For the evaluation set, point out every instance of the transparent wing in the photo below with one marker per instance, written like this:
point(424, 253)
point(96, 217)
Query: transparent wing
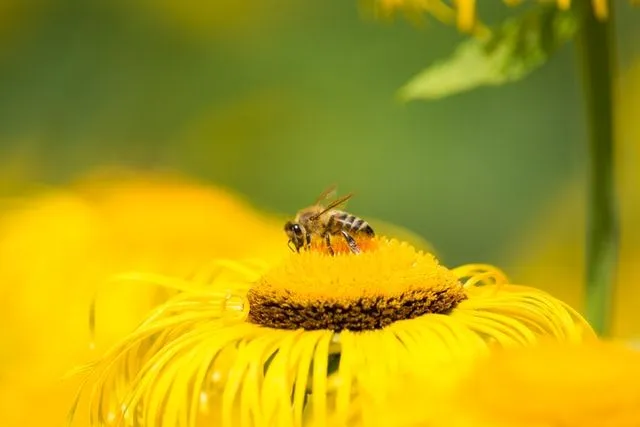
point(338, 202)
point(327, 194)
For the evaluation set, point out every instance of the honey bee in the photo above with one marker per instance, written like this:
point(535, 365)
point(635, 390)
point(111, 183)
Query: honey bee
point(325, 222)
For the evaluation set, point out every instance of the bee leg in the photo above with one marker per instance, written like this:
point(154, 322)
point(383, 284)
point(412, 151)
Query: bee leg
point(327, 239)
point(308, 241)
point(351, 242)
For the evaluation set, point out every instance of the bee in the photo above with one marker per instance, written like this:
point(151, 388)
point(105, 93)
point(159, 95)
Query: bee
point(325, 222)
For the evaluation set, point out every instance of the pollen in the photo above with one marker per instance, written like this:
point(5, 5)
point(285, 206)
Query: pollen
point(387, 282)
point(340, 246)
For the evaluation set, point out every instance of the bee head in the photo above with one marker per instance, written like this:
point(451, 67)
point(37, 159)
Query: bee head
point(296, 233)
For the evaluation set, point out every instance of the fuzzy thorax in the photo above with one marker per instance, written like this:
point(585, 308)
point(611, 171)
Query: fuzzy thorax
point(390, 281)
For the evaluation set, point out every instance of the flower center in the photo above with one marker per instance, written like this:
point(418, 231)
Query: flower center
point(387, 282)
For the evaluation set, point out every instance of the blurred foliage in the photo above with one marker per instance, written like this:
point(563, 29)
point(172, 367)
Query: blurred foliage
point(219, 19)
point(280, 100)
point(509, 53)
point(303, 99)
point(550, 251)
point(18, 18)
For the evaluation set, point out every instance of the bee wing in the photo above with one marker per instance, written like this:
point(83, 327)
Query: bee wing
point(328, 193)
point(384, 228)
point(338, 202)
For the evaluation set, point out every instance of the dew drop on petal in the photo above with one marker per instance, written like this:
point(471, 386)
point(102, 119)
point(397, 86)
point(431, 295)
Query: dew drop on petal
point(204, 398)
point(234, 303)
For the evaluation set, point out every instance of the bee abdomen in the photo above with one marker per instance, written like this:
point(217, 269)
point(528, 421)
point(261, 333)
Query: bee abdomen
point(362, 226)
point(354, 224)
point(366, 229)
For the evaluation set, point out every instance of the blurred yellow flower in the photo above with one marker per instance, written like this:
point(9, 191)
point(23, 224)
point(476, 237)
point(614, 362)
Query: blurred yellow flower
point(59, 247)
point(297, 342)
point(552, 250)
point(463, 12)
point(553, 385)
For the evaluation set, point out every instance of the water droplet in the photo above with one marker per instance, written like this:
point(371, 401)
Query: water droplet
point(204, 398)
point(235, 303)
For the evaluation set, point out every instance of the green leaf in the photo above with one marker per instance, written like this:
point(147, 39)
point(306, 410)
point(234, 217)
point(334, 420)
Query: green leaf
point(512, 51)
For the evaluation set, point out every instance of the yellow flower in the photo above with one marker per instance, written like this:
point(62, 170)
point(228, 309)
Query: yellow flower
point(314, 339)
point(463, 12)
point(59, 248)
point(552, 385)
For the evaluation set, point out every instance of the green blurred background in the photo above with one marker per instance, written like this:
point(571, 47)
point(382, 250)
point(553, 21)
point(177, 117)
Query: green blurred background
point(280, 98)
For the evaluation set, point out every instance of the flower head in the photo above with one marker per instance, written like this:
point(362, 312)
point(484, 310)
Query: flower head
point(314, 291)
point(312, 339)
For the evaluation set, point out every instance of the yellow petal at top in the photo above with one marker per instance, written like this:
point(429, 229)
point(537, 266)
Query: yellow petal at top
point(466, 14)
point(315, 340)
point(59, 247)
point(463, 12)
point(552, 384)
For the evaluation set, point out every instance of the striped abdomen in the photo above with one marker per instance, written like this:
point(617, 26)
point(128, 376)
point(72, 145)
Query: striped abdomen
point(350, 223)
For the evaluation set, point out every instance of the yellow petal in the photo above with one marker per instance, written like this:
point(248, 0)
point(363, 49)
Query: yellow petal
point(466, 14)
point(601, 9)
point(59, 248)
point(564, 4)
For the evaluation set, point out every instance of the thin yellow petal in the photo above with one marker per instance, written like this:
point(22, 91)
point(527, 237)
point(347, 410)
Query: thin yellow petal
point(153, 384)
point(346, 374)
point(309, 345)
point(466, 14)
point(259, 353)
point(250, 351)
point(319, 380)
point(504, 331)
point(279, 382)
point(480, 274)
point(601, 9)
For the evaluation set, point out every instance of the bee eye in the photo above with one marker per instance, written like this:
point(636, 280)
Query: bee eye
point(291, 227)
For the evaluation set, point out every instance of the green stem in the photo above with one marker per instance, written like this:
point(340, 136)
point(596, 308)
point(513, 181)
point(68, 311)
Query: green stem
point(597, 60)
